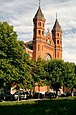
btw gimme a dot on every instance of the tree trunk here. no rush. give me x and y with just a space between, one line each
72 94
18 96
39 92
56 93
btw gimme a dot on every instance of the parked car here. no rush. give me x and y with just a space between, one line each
50 95
63 95
74 93
21 95
66 94
38 95
6 96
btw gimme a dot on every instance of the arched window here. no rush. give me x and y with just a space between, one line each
48 56
43 24
57 41
38 47
42 47
48 41
58 34
42 32
39 32
39 23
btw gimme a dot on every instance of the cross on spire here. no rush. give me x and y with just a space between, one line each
39 2
48 30
56 15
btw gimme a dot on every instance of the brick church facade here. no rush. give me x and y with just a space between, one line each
47 46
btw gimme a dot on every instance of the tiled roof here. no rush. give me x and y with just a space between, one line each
39 13
56 25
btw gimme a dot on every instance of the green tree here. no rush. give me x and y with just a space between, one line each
14 61
69 75
54 74
39 72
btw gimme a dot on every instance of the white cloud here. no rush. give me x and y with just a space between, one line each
20 13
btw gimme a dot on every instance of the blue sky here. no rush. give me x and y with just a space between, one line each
20 13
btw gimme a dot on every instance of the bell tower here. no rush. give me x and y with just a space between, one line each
38 32
57 38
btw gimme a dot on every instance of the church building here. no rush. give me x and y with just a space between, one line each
47 46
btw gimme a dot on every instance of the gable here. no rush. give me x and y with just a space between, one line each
49 39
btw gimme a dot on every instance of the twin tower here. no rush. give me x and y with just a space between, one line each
47 46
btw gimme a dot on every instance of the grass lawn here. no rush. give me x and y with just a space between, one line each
60 106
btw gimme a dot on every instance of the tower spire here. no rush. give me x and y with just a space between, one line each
39 14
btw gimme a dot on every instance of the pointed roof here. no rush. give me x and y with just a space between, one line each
39 14
56 25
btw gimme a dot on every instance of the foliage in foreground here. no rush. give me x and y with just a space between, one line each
62 106
14 62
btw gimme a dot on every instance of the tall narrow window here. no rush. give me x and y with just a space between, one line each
57 41
39 23
58 34
39 32
43 24
38 47
58 54
42 47
42 32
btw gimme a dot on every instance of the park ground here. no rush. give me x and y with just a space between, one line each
60 106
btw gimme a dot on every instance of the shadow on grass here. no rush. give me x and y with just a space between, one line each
40 107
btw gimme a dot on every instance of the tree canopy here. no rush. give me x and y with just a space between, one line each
15 65
14 62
